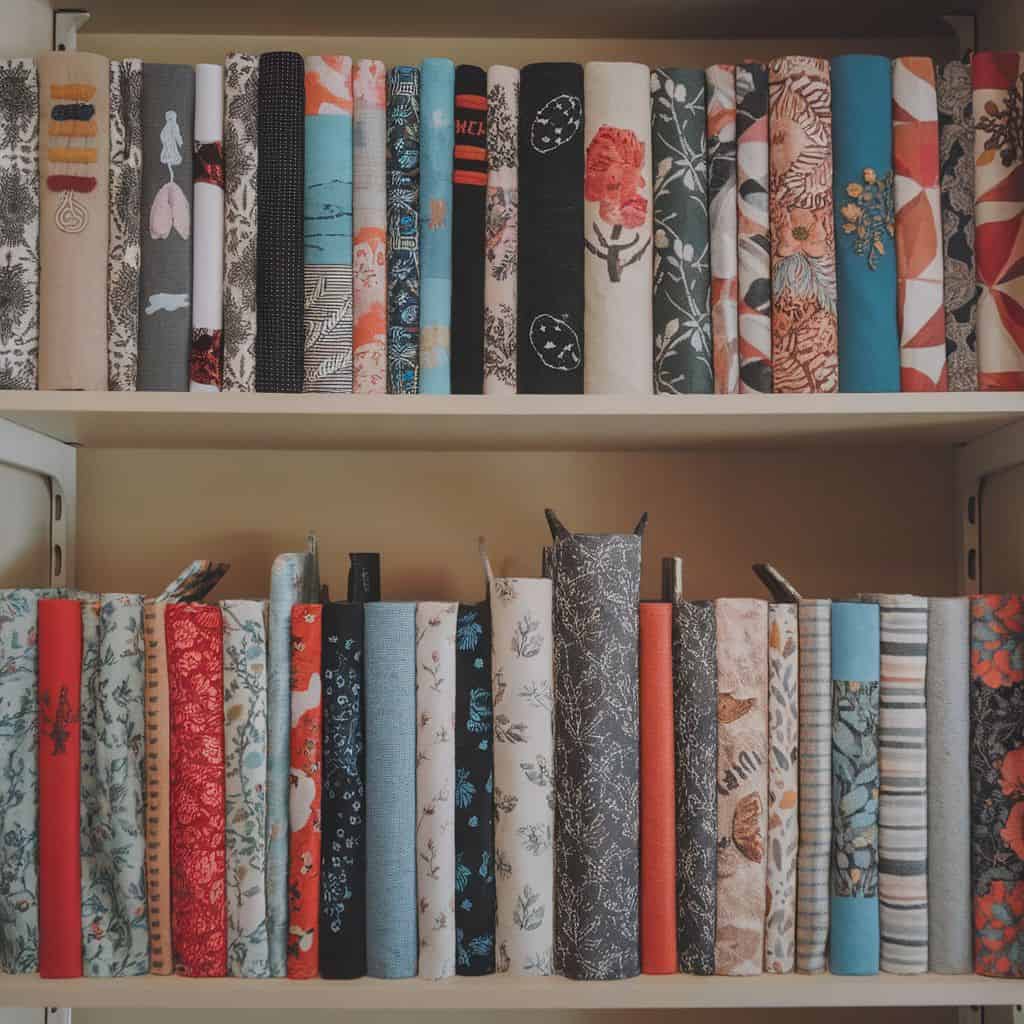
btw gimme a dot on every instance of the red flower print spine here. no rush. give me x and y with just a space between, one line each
198 860
304 795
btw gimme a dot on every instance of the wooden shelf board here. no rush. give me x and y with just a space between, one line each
525 422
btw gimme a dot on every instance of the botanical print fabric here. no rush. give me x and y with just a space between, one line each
682 242
597 752
403 242
245 782
804 319
721 90
754 262
960 289
999 218
369 229
524 794
501 231
124 254
19 224
115 933
618 212
997 754
915 135
436 625
695 685
194 582
327 309
741 628
198 879
241 160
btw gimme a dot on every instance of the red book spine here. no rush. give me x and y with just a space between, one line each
60 755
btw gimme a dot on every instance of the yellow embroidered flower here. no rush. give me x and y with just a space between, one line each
851 213
853 190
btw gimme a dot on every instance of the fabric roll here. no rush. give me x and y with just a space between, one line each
74 228
501 231
721 126
60 867
524 813
194 582
327 310
805 353
657 793
960 289
469 201
115 932
549 322
619 267
403 243
280 177
815 783
158 788
343 858
245 780
999 218
754 261
369 227
949 800
682 275
695 686
915 152
197 822
741 629
597 752
390 716
435 786
124 253
93 904
364 576
997 753
862 133
165 318
19 222
206 358
241 211
437 148
304 794
853 909
783 832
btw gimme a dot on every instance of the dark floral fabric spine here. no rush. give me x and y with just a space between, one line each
364 576
474 786
343 847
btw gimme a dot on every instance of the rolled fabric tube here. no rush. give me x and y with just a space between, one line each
550 303
327 303
853 910
682 275
501 231
619 266
949 789
369 229
437 147
391 933
19 224
999 219
741 628
815 784
165 318
280 176
124 252
695 686
997 752
403 243
960 288
74 226
805 354
865 224
364 576
524 815
90 852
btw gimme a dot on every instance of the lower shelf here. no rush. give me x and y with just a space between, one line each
665 992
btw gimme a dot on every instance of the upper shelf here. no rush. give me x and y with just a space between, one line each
520 422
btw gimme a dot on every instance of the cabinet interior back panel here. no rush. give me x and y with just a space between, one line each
834 521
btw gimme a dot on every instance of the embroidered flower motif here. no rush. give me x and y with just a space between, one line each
870 217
